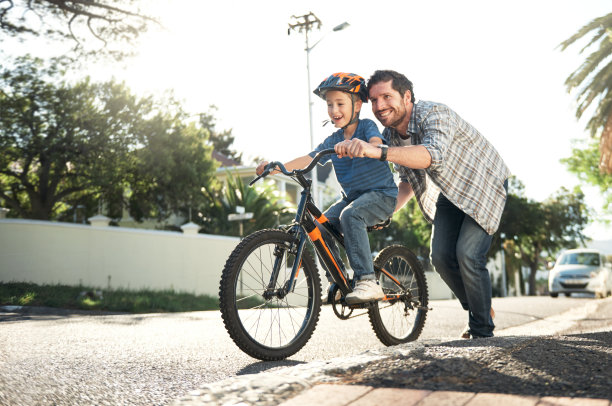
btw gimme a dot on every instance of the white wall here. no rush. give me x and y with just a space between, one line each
45 252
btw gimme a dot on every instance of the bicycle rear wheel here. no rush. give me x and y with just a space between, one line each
264 325
400 317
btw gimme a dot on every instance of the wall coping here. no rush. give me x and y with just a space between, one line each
116 229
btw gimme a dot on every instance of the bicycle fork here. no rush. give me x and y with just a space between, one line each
279 253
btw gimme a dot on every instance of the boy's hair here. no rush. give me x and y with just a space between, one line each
399 82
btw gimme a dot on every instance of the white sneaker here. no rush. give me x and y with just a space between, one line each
365 291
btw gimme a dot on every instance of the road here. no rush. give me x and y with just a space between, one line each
153 359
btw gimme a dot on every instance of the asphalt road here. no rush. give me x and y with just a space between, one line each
68 359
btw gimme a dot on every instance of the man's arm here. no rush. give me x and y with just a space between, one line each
404 194
411 156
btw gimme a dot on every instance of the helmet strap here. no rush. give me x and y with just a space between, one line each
354 117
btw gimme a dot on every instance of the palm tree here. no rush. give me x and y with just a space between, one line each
269 210
595 77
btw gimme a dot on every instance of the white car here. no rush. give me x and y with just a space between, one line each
580 271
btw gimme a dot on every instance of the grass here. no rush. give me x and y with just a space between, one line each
115 300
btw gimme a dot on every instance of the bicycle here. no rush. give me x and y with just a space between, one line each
270 290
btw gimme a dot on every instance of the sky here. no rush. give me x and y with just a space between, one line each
497 64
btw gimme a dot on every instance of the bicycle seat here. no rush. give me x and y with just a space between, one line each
380 225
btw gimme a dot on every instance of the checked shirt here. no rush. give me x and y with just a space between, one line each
465 167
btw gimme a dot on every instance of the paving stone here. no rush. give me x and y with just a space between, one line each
446 398
328 395
499 399
382 396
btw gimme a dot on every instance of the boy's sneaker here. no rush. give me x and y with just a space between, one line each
327 291
365 291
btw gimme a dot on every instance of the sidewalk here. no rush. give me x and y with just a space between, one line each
341 395
574 368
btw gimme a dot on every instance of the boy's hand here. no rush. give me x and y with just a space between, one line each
260 168
357 149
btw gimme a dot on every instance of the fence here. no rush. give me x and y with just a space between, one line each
45 252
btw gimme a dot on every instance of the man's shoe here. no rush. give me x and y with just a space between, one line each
466 331
365 291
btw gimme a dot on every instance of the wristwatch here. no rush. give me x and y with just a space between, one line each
383 154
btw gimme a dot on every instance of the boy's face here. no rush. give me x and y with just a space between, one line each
340 107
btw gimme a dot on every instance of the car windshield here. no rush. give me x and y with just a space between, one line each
579 258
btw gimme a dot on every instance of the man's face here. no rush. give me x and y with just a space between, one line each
388 105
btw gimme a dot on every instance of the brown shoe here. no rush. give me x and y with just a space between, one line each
466 331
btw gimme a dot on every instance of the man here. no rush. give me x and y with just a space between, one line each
458 178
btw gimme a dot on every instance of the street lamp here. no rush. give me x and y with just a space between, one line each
306 23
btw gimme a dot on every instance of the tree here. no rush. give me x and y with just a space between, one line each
532 228
267 208
66 145
80 21
408 228
584 163
594 77
221 141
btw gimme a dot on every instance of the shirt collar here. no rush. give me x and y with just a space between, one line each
412 124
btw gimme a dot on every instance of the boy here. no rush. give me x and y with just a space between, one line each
369 191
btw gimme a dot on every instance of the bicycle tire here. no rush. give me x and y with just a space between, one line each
399 321
275 328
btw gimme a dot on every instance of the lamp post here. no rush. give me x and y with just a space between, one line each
307 23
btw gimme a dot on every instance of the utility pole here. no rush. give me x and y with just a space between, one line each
305 24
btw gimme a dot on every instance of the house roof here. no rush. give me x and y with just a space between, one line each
224 160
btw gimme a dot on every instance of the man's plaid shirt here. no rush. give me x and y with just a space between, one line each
465 167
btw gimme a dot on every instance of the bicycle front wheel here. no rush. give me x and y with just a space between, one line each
262 318
400 316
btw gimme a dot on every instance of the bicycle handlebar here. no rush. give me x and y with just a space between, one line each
278 165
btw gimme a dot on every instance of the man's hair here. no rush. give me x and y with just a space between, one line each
399 82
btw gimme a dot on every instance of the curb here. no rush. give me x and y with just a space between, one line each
307 381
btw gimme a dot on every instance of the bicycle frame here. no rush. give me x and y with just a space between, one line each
305 227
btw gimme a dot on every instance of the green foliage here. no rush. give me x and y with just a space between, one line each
221 141
95 28
594 76
532 229
261 200
584 163
408 227
116 300
65 145
593 79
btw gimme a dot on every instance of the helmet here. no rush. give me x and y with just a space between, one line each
345 82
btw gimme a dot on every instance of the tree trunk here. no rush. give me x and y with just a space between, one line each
532 279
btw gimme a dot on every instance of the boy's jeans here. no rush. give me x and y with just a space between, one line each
459 254
351 219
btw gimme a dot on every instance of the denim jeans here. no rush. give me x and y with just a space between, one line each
459 249
351 219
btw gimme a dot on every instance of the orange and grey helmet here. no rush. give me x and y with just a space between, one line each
345 82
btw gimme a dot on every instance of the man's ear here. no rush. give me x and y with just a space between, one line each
407 97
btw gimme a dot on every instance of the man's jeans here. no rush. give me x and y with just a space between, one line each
459 249
352 219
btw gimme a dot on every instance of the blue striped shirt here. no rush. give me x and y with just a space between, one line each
359 175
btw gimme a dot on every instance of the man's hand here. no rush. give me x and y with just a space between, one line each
357 149
260 168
